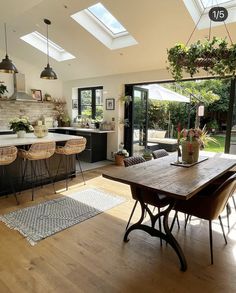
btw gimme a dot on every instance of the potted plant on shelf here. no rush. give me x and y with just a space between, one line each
214 56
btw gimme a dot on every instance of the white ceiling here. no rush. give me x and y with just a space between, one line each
155 24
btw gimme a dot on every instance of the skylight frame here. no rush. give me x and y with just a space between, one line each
216 3
196 9
39 41
104 24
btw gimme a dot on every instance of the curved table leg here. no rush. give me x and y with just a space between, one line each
167 236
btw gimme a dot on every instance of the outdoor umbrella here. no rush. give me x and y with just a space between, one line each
160 93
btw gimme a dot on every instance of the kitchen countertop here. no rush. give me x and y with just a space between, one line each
82 129
30 138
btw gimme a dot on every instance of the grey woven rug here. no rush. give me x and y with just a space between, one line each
47 218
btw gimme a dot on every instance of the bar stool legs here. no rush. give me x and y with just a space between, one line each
4 170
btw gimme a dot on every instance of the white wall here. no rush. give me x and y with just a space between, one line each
32 78
113 87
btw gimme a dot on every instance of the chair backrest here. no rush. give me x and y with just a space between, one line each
133 161
221 195
159 153
7 155
41 150
74 146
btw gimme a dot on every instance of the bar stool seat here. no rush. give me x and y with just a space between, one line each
7 156
37 152
71 147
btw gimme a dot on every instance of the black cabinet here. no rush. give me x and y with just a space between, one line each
96 145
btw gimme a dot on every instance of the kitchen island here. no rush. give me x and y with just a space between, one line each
96 146
15 170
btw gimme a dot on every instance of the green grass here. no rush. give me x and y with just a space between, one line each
213 147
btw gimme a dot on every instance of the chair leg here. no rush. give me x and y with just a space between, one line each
12 185
173 221
228 212
234 202
222 227
23 175
81 171
186 221
34 175
66 172
159 219
131 215
211 241
49 174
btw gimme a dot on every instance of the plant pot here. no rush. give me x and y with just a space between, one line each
21 133
119 159
190 151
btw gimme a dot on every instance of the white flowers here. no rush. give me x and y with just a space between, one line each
22 123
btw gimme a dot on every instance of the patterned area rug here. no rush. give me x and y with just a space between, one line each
47 218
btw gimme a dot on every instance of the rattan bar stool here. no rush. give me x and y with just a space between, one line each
8 156
38 152
72 147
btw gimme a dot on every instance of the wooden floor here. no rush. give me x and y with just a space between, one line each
91 256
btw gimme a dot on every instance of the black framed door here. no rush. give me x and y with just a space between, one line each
136 114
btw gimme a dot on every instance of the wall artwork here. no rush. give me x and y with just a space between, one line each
110 104
37 95
74 104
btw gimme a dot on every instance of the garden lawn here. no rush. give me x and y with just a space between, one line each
213 147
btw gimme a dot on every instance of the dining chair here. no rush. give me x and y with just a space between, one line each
159 153
209 205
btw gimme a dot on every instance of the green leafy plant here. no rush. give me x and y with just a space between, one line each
147 154
22 123
214 56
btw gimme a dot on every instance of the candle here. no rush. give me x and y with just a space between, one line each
40 122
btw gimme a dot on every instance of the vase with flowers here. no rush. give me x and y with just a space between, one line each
191 143
20 125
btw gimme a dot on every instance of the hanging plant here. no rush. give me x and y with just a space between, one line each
214 56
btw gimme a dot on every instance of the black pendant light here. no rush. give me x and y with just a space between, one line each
48 73
6 65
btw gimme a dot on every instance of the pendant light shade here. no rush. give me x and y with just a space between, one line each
48 72
6 65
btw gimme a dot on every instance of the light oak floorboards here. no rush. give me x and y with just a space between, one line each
91 256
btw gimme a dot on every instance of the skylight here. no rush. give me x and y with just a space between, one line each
211 3
200 8
39 42
99 22
107 19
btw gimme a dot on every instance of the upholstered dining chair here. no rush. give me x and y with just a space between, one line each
156 200
159 153
209 206
71 147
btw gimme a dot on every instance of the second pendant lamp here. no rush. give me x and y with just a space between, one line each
48 72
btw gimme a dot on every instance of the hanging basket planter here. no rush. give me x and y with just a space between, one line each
214 56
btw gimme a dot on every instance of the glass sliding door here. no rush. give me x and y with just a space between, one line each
140 120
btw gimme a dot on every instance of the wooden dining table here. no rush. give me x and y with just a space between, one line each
180 182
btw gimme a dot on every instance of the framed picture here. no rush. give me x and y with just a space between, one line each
110 104
74 104
37 95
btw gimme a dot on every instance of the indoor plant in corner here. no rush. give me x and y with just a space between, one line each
20 126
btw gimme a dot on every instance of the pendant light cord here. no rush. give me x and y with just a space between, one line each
47 46
5 30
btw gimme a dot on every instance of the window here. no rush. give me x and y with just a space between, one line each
39 42
100 22
90 102
197 7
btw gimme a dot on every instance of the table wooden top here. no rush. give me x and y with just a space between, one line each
30 138
179 182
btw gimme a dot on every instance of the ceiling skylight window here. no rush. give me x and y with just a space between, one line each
200 8
211 3
39 42
107 19
99 22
